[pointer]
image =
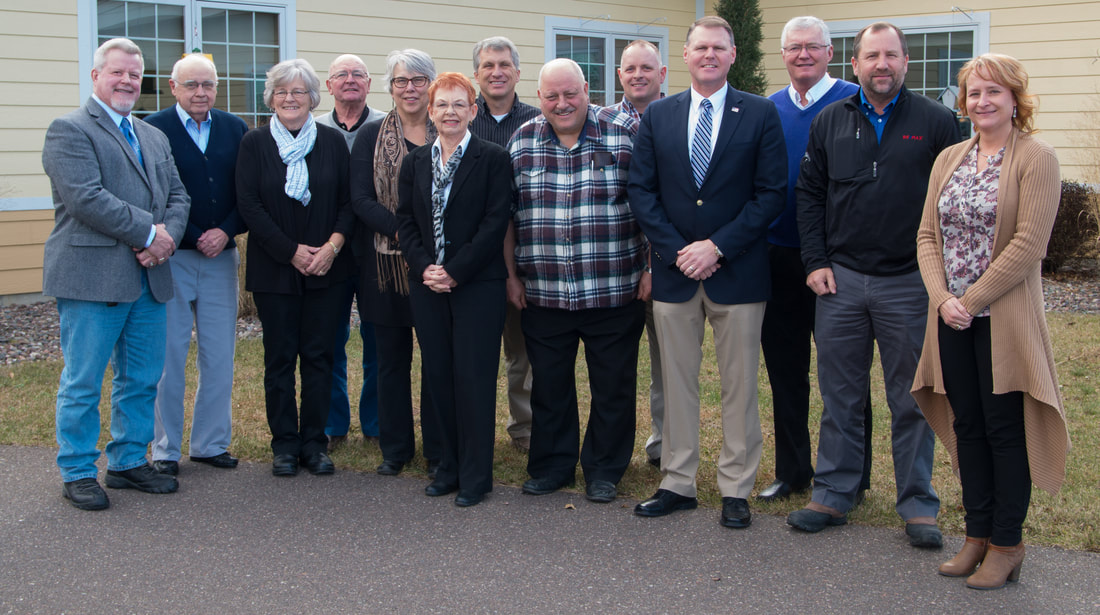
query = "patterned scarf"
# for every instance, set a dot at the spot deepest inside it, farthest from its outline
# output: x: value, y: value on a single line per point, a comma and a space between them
x: 293, y: 151
x: 389, y: 151
x: 442, y: 175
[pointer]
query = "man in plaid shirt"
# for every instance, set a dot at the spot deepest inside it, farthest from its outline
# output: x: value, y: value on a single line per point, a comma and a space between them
x: 579, y: 259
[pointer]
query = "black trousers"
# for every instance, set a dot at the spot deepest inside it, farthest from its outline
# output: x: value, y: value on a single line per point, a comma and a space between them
x: 299, y: 329
x: 785, y: 340
x: 989, y: 428
x: 396, y: 436
x: 459, y: 337
x: 610, y: 337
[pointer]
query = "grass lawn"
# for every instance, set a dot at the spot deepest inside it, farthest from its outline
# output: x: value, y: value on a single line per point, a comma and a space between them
x: 28, y: 390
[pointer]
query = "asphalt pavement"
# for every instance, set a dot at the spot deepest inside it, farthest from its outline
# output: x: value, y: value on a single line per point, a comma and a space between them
x: 243, y: 541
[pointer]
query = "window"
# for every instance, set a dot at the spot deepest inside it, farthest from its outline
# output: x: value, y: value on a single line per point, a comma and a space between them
x: 245, y: 39
x: 597, y: 46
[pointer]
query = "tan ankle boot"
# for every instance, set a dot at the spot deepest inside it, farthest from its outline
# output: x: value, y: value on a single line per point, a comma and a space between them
x: 1001, y: 565
x: 967, y: 559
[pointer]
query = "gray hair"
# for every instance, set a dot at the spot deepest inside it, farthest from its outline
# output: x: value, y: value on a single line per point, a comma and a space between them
x: 806, y: 22
x: 288, y: 70
x: 414, y: 61
x: 190, y: 60
x: 562, y: 63
x: 348, y: 56
x: 122, y: 44
x: 496, y: 43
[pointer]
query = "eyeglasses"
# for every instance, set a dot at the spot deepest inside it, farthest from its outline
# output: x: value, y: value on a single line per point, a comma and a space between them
x: 291, y: 93
x: 191, y: 86
x: 459, y: 105
x: 403, y: 82
x: 343, y: 75
x: 812, y: 48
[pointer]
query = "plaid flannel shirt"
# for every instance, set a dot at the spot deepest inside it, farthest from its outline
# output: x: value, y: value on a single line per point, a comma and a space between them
x: 577, y: 243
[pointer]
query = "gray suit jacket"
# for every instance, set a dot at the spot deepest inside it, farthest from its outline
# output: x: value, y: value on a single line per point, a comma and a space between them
x: 104, y: 205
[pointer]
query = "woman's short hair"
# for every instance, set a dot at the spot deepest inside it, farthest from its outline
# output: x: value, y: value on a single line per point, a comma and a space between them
x: 446, y: 81
x: 287, y: 71
x: 1008, y: 72
x: 414, y: 61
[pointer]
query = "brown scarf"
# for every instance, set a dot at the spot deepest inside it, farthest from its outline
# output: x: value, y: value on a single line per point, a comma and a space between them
x: 389, y: 151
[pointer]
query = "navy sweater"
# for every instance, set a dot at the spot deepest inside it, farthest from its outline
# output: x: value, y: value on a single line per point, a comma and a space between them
x: 210, y: 178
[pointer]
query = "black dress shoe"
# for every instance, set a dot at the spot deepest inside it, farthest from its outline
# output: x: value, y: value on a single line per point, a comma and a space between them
x: 664, y: 502
x: 390, y: 467
x: 600, y: 491
x: 143, y: 478
x: 655, y: 462
x: 224, y: 460
x: 735, y: 513
x: 167, y: 466
x: 546, y: 486
x: 433, y: 467
x: 438, y: 488
x: 468, y: 498
x: 285, y: 465
x: 319, y: 463
x: 85, y: 494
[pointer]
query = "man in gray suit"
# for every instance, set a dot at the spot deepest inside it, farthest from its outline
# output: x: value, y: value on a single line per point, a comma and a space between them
x: 120, y: 211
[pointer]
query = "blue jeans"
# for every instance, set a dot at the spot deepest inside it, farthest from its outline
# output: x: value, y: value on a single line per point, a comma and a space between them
x: 131, y: 336
x: 339, y: 413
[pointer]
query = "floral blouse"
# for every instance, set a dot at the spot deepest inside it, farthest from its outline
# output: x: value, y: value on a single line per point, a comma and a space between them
x: 968, y: 218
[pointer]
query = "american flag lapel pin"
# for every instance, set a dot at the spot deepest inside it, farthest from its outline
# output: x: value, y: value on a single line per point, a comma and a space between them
x: 735, y: 109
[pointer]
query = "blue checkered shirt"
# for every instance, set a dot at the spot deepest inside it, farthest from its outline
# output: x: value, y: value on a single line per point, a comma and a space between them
x: 577, y: 244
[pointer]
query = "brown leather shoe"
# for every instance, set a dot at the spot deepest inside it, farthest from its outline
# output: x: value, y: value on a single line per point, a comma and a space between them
x: 1000, y: 566
x: 967, y: 559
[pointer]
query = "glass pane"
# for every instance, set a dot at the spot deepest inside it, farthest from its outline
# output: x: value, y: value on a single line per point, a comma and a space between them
x: 219, y: 54
x: 564, y: 47
x: 914, y: 79
x: 962, y: 45
x: 240, y: 62
x: 267, y: 28
x: 240, y: 27
x: 141, y: 20
x: 266, y: 57
x: 916, y: 46
x: 168, y: 52
x: 213, y: 25
x: 937, y: 46
x: 165, y: 91
x: 170, y: 21
x: 112, y: 19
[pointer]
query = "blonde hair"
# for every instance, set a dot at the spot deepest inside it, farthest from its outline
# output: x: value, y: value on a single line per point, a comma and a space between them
x: 1007, y: 71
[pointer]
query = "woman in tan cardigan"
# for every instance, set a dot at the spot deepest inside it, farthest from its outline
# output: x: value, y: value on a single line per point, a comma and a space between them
x: 986, y: 380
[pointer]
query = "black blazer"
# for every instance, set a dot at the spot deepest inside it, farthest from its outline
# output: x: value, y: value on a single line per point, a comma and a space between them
x: 278, y: 223
x: 474, y: 222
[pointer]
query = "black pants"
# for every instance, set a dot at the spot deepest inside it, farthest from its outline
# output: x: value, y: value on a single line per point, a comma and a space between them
x: 989, y: 428
x: 396, y: 437
x: 459, y: 337
x: 610, y: 339
x: 785, y: 338
x: 299, y: 329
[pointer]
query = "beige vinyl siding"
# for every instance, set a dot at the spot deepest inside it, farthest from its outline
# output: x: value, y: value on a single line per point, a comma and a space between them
x: 1056, y: 41
x: 22, y: 235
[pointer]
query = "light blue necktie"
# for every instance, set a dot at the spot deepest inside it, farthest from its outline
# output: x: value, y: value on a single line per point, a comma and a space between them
x: 131, y: 139
x: 700, y: 144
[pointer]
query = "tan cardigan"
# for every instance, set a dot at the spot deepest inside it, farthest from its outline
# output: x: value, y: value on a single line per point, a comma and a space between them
x: 1023, y: 360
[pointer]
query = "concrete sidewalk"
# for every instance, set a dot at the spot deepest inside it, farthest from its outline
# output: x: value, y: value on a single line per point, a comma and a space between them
x: 242, y: 541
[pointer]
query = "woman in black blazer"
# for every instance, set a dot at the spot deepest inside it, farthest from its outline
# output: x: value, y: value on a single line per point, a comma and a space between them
x: 292, y: 191
x: 455, y: 201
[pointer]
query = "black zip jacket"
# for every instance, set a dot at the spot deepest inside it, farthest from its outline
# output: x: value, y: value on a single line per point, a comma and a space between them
x: 859, y: 200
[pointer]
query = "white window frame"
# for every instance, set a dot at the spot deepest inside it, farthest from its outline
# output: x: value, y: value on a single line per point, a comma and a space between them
x: 976, y: 22
x: 608, y: 31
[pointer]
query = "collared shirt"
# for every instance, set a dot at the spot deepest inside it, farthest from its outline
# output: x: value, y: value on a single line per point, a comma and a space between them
x: 718, y: 103
x: 436, y: 171
x: 199, y: 133
x: 485, y: 126
x: 878, y: 121
x: 117, y: 119
x: 362, y: 118
x: 814, y: 94
x: 577, y: 243
x: 628, y: 108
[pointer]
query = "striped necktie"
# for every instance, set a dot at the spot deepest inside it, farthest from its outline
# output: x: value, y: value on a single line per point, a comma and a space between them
x: 700, y: 144
x: 131, y: 139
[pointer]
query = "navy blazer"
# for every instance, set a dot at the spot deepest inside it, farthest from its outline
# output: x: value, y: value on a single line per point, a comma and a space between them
x: 209, y: 177
x: 474, y: 222
x: 744, y: 190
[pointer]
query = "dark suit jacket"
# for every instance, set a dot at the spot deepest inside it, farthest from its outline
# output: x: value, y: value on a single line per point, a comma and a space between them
x: 744, y: 190
x: 278, y: 223
x: 105, y: 203
x: 474, y: 221
x: 209, y: 177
